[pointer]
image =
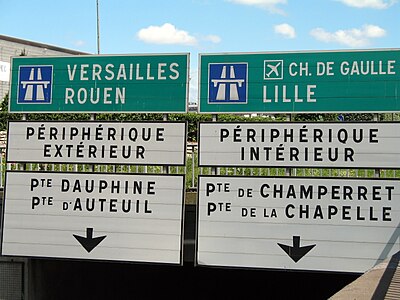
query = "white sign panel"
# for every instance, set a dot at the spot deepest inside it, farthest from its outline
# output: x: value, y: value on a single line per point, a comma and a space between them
x: 335, y: 145
x: 94, y: 142
x: 116, y: 217
x: 324, y: 224
x: 4, y: 71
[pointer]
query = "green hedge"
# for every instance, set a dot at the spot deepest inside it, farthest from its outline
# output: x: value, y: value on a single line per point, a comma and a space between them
x: 191, y: 118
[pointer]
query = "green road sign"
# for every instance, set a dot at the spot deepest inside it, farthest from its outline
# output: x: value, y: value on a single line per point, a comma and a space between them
x: 98, y: 83
x: 286, y: 82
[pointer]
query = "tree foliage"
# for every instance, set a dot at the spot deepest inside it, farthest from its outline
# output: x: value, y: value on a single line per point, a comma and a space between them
x: 5, y: 116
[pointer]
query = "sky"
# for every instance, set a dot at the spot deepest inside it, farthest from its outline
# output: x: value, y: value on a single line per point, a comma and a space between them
x: 204, y: 26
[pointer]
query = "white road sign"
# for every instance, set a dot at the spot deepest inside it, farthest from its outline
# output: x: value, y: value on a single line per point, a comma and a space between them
x: 150, y: 143
x: 334, y: 145
x: 116, y: 217
x: 324, y: 224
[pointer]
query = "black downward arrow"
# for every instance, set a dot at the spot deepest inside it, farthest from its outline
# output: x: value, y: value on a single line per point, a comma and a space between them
x: 296, y: 252
x: 89, y: 242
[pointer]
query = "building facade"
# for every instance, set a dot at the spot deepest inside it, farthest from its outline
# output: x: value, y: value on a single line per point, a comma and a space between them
x: 11, y: 46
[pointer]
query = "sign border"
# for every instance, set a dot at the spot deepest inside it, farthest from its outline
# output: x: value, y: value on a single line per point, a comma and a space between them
x: 285, y: 166
x: 196, y: 261
x: 19, y: 79
x: 222, y: 54
x: 99, y: 260
x: 226, y: 102
x: 187, y: 54
x: 103, y: 122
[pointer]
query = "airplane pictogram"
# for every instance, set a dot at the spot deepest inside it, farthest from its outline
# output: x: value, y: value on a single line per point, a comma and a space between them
x: 273, y: 69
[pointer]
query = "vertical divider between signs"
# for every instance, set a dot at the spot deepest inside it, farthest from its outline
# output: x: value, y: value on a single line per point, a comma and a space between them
x: 214, y: 170
x: 165, y: 169
x: 288, y: 171
x: 92, y: 118
x: 377, y: 171
x: 26, y: 261
x: 23, y: 165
